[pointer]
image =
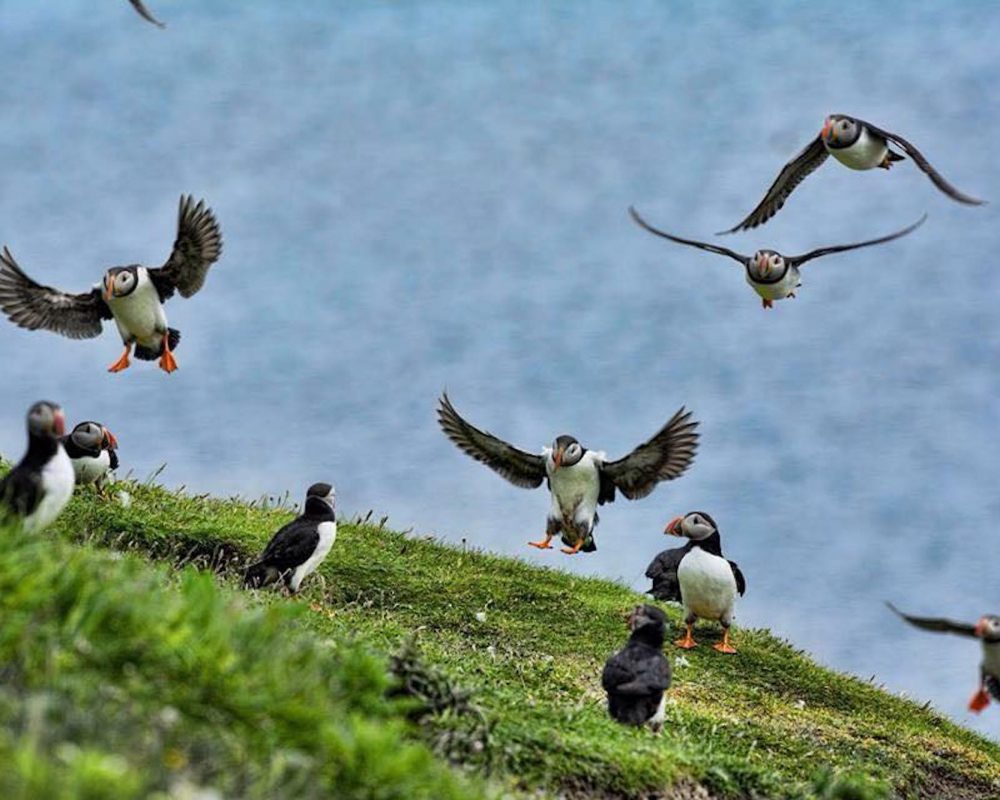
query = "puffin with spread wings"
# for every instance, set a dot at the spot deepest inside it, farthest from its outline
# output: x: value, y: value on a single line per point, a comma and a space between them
x: 132, y: 296
x: 854, y: 143
x: 578, y: 479
x: 770, y: 274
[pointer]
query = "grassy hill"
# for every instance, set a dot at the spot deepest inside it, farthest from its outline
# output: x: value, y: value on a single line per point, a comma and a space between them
x: 143, y: 678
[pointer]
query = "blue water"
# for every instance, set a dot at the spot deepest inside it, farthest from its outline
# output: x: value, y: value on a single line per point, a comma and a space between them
x: 421, y: 195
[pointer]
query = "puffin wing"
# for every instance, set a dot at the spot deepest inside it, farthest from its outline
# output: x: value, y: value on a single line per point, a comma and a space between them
x: 112, y: 459
x: 937, y: 624
x: 662, y: 571
x: 791, y: 175
x: 741, y: 582
x: 664, y: 457
x: 520, y: 468
x: 918, y: 158
x: 712, y: 248
x: 33, y: 306
x: 798, y: 261
x: 140, y: 7
x: 198, y: 245
x: 291, y: 545
x: 649, y: 676
x: 20, y: 493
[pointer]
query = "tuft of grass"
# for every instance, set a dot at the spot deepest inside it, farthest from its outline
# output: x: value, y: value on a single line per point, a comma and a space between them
x: 531, y: 642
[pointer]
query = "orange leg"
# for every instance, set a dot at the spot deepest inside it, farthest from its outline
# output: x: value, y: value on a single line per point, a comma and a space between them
x: 766, y: 303
x: 544, y: 544
x: 979, y: 701
x: 688, y: 641
x: 724, y: 646
x: 572, y: 551
x: 886, y: 162
x: 123, y: 362
x: 167, y: 362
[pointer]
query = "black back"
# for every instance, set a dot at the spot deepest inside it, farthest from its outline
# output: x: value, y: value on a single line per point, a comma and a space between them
x: 21, y: 488
x: 636, y: 677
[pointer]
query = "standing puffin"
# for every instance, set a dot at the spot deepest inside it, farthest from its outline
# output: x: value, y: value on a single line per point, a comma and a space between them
x: 133, y: 296
x: 299, y: 547
x: 707, y: 581
x: 39, y: 487
x: 637, y: 677
x: 578, y: 479
x: 91, y: 447
x: 988, y: 631
x: 854, y: 143
x: 770, y: 274
x: 140, y: 7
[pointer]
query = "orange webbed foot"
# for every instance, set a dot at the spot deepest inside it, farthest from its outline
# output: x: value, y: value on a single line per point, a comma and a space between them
x: 979, y: 701
x: 543, y: 544
x: 123, y: 362
x: 167, y: 361
x: 724, y: 646
x: 688, y: 642
x: 572, y: 551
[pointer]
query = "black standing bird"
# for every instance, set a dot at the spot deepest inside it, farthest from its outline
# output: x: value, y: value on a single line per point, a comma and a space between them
x: 637, y: 677
x: 299, y: 547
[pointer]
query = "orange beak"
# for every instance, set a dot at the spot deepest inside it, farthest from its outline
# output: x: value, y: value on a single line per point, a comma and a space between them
x: 828, y: 131
x: 674, y: 526
x: 980, y: 630
x: 109, y: 440
x: 59, y: 423
x: 108, y: 292
x: 557, y: 458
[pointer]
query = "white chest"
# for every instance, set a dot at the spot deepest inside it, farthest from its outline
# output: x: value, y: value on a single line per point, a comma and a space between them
x: 58, y: 481
x: 780, y: 290
x: 140, y: 315
x: 866, y: 153
x: 91, y: 468
x: 327, y: 536
x: 575, y: 489
x: 708, y: 586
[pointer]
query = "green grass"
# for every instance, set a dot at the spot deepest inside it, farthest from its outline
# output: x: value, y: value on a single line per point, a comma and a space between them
x: 766, y: 723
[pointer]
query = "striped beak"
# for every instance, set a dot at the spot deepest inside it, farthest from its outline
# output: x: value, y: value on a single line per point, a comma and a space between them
x: 557, y: 458
x: 980, y: 629
x: 110, y: 442
x: 108, y: 288
x: 59, y: 423
x: 674, y: 527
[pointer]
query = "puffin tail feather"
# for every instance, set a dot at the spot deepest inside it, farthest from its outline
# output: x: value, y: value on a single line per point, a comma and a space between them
x: 148, y: 354
x: 893, y: 156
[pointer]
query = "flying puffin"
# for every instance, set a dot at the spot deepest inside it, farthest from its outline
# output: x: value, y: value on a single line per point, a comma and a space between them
x: 578, y: 479
x: 769, y: 273
x: 299, y: 547
x: 988, y: 631
x: 91, y: 447
x: 854, y: 143
x: 637, y: 677
x: 708, y: 583
x: 39, y: 487
x: 139, y: 6
x: 133, y: 296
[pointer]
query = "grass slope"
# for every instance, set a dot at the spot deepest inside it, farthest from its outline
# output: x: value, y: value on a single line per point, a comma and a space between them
x: 532, y: 642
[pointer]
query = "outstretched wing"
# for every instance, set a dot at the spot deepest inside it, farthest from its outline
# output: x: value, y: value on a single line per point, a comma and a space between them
x: 139, y: 6
x: 793, y: 173
x: 918, y: 158
x: 34, y: 306
x: 198, y: 245
x: 662, y: 458
x: 937, y: 624
x: 798, y: 261
x: 520, y: 468
x: 712, y: 248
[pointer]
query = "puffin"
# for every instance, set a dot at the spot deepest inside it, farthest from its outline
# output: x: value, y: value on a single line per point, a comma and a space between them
x: 987, y: 630
x: 707, y: 583
x: 771, y: 275
x: 140, y: 7
x: 92, y: 449
x: 637, y: 677
x: 38, y: 488
x: 578, y: 479
x: 854, y: 143
x: 299, y: 547
x: 132, y: 296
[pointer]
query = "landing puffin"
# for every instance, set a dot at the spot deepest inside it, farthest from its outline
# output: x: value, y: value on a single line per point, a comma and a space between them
x: 854, y: 143
x: 986, y: 630
x: 140, y: 7
x: 39, y: 487
x: 133, y: 296
x: 298, y: 548
x: 637, y: 677
x: 578, y: 479
x: 770, y: 274
x: 708, y: 583
x: 92, y: 449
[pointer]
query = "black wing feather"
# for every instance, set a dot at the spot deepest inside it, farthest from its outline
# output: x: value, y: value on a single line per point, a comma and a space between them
x: 791, y: 175
x: 30, y: 305
x: 198, y: 245
x: 937, y: 624
x: 20, y: 493
x: 664, y: 457
x: 798, y: 261
x: 741, y: 582
x: 520, y: 468
x: 712, y: 248
x: 113, y: 459
x: 662, y: 571
x: 139, y: 6
x: 291, y: 545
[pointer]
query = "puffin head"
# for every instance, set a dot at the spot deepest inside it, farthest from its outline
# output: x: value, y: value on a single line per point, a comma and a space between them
x: 120, y: 282
x: 321, y: 493
x: 643, y: 615
x: 988, y: 628
x: 566, y: 451
x: 94, y: 436
x: 695, y: 525
x: 46, y: 420
x: 767, y: 266
x: 840, y: 131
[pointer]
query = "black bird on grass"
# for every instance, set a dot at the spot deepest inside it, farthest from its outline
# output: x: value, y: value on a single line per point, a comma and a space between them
x: 637, y: 677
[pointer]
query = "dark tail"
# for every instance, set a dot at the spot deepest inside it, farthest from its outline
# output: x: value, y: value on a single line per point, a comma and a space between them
x: 896, y: 156
x: 145, y: 354
x: 260, y: 575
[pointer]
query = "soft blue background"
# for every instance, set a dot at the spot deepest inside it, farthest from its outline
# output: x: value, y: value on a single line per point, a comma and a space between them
x: 420, y: 195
